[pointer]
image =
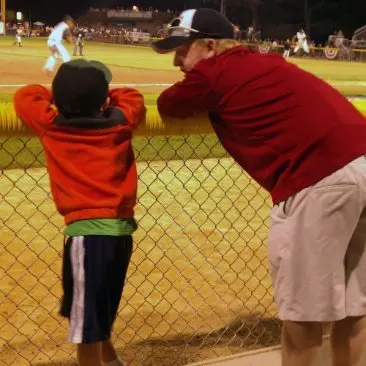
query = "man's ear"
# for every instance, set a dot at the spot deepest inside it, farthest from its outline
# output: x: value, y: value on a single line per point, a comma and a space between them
x: 212, y: 47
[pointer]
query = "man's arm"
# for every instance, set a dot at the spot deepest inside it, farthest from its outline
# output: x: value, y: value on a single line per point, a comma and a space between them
x: 68, y: 35
x: 193, y: 95
x: 131, y: 102
x: 33, y: 105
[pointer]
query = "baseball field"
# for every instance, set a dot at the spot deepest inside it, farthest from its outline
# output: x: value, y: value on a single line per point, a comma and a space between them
x: 198, y: 285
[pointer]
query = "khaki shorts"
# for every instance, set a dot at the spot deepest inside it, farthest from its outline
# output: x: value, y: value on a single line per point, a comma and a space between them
x: 317, y: 248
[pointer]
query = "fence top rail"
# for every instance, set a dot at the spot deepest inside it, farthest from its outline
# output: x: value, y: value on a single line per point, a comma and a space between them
x: 152, y: 125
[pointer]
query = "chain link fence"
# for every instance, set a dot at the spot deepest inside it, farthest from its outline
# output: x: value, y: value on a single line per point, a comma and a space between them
x: 198, y: 285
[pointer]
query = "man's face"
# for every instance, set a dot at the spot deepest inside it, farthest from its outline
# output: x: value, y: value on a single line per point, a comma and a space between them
x: 189, y: 54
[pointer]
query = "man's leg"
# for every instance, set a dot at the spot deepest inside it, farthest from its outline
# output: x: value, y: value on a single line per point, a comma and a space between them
x: 63, y: 53
x: 348, y: 341
x: 90, y: 354
x: 349, y: 334
x: 299, y: 257
x: 305, y: 47
x: 301, y: 342
x: 51, y: 61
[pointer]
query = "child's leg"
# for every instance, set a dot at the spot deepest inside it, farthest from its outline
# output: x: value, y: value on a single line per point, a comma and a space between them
x: 94, y: 270
x: 109, y: 354
x: 116, y: 279
x: 90, y: 354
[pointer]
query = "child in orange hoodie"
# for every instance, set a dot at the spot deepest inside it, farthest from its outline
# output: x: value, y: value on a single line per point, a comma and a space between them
x: 86, y: 131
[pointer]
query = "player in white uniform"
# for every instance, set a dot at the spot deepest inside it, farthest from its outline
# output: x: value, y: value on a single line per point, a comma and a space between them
x: 302, y: 41
x: 18, y: 37
x: 54, y: 43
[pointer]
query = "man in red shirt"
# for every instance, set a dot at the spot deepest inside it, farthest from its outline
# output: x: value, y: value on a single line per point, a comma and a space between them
x: 302, y: 141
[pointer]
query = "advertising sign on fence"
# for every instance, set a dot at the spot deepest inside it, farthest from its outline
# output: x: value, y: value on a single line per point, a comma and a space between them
x: 2, y: 28
x: 129, y: 14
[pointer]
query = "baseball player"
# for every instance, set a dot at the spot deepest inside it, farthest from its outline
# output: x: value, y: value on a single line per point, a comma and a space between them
x: 18, y: 37
x: 79, y: 43
x: 54, y: 43
x: 302, y: 41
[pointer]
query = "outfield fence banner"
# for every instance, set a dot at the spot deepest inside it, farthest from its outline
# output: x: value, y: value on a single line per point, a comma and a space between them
x: 2, y: 28
x: 342, y: 53
x: 198, y: 285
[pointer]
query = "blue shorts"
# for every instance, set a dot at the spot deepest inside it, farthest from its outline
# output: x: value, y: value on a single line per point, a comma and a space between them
x: 94, y: 273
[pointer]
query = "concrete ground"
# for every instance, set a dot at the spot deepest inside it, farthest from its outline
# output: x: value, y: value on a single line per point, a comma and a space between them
x: 267, y: 356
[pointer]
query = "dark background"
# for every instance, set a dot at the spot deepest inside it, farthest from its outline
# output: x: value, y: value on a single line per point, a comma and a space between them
x: 318, y: 17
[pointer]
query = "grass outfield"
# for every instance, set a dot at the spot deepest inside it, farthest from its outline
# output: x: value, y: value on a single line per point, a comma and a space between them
x: 145, y: 58
x: 135, y: 57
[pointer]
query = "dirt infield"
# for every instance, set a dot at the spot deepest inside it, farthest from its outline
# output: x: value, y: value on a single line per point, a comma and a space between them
x: 13, y: 72
x: 198, y: 285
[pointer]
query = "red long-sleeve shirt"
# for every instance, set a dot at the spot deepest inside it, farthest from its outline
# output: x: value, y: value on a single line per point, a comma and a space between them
x: 284, y: 126
x: 90, y: 161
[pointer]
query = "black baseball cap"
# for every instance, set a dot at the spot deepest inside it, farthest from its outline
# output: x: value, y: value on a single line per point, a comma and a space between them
x: 195, y: 24
x: 80, y: 87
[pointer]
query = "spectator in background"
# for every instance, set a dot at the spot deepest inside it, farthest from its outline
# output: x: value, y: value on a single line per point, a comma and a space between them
x: 237, y: 32
x: 274, y: 46
x: 250, y: 33
x: 287, y: 46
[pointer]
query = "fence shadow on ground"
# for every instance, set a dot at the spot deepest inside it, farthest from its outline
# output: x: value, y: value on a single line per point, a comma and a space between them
x: 245, y: 333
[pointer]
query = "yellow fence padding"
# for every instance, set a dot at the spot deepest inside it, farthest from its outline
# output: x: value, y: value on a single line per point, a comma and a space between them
x: 153, y: 124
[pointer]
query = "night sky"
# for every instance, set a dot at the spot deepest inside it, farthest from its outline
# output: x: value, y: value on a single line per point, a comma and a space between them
x: 53, y: 10
x: 327, y: 15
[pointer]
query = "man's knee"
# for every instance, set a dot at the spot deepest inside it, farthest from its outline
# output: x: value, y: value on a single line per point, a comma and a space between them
x: 302, y: 335
x: 350, y: 326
